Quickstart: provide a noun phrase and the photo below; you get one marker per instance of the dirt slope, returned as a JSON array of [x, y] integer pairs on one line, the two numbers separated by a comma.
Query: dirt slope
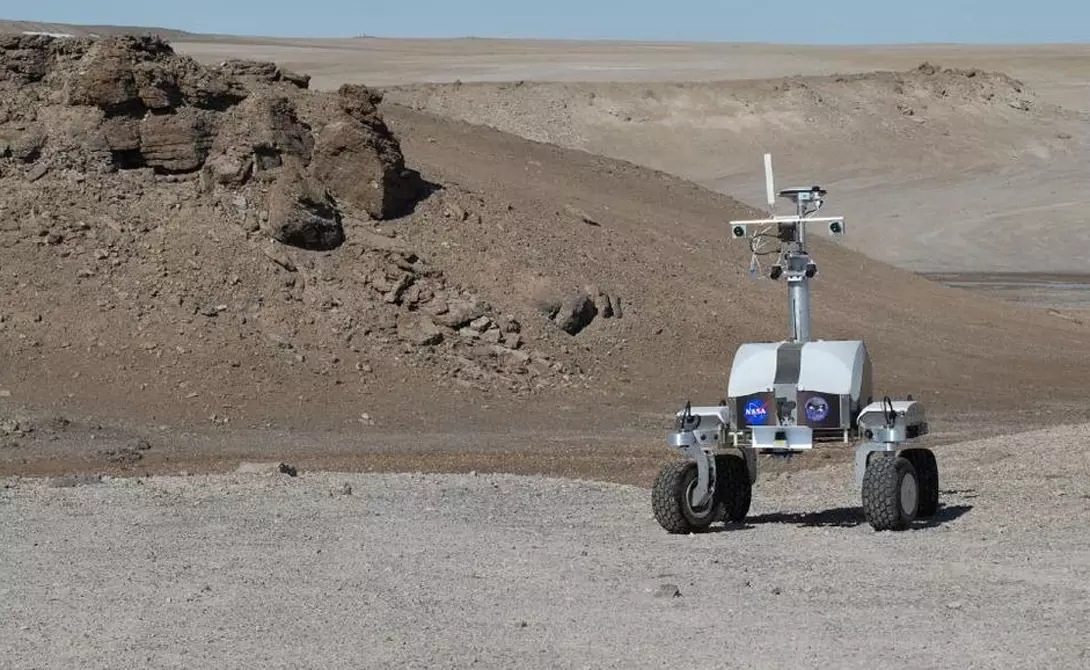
[[139, 285], [181, 238], [668, 246], [938, 169]]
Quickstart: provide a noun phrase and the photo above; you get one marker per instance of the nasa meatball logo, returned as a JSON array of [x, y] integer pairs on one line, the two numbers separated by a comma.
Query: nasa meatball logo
[[756, 411], [817, 409]]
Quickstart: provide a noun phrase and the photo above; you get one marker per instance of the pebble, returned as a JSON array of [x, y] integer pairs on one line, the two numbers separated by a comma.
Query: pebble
[[344, 490], [667, 591]]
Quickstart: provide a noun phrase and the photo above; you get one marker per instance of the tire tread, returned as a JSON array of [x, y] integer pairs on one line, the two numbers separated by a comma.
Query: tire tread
[[927, 473], [734, 491], [667, 495], [881, 493]]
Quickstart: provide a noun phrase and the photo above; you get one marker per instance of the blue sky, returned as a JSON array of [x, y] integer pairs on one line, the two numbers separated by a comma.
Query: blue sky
[[794, 21]]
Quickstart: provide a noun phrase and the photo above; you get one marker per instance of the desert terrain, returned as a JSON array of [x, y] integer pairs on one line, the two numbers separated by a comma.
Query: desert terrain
[[491, 570], [502, 266]]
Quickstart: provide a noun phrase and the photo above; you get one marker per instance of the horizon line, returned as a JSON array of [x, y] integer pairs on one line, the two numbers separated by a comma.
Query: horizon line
[[136, 29]]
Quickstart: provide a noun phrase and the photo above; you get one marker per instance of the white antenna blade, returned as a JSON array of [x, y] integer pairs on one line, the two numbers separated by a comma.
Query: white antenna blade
[[770, 186]]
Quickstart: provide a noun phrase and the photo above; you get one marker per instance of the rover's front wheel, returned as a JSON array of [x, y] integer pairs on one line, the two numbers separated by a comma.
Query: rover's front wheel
[[672, 504], [891, 492]]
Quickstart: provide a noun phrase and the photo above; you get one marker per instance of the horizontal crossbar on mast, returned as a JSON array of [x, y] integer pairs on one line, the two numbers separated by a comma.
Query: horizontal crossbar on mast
[[789, 219]]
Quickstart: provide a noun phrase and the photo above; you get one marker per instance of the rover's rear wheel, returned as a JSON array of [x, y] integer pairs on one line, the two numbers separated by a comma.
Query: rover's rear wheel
[[670, 499], [927, 472], [891, 492], [733, 489]]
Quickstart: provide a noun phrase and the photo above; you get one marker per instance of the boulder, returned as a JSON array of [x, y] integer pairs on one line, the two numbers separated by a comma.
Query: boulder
[[302, 214], [176, 142], [24, 59], [262, 131], [361, 160], [207, 88], [264, 72], [601, 301], [230, 169], [121, 134], [244, 68], [296, 79], [481, 324], [576, 312], [157, 87], [460, 313], [363, 168], [360, 103], [512, 340], [418, 330], [608, 305], [279, 128], [127, 75], [928, 69], [105, 79]]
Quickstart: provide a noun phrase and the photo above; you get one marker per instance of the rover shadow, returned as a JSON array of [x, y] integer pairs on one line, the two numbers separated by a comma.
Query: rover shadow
[[850, 517], [946, 514], [730, 527], [963, 493], [839, 517]]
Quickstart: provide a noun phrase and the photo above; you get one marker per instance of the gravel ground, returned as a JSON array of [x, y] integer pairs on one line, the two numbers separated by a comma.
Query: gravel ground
[[266, 570]]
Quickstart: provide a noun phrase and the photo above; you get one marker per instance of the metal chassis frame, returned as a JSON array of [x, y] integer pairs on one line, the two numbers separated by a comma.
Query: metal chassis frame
[[687, 442]]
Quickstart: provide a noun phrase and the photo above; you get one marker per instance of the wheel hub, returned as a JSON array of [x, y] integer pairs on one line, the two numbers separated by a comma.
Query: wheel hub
[[697, 510], [910, 493]]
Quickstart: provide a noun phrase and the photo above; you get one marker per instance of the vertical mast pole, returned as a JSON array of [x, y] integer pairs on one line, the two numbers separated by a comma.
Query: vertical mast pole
[[798, 284]]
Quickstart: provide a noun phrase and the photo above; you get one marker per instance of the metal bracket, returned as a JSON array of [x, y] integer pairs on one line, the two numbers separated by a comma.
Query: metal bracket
[[686, 442], [750, 456]]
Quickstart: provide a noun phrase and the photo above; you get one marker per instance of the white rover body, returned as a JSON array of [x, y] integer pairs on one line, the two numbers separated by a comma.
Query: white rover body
[[783, 397]]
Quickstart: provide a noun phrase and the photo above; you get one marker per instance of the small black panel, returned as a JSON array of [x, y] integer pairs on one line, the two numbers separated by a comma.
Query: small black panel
[[788, 363], [818, 410], [757, 409]]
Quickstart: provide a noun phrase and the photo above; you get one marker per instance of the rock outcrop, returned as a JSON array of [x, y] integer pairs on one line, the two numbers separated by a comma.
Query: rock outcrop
[[123, 103], [231, 209], [301, 213]]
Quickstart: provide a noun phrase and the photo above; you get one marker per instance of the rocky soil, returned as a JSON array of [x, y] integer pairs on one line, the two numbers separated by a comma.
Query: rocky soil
[[268, 569]]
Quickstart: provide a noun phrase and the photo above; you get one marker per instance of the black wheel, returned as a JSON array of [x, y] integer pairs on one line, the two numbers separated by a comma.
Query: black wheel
[[891, 492], [927, 472], [672, 504], [733, 490]]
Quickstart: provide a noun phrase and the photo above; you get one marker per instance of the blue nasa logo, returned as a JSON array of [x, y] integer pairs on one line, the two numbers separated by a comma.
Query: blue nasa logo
[[816, 409], [756, 411]]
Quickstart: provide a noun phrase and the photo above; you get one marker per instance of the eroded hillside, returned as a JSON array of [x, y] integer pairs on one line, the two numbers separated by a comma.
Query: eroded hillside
[[938, 168], [221, 245]]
